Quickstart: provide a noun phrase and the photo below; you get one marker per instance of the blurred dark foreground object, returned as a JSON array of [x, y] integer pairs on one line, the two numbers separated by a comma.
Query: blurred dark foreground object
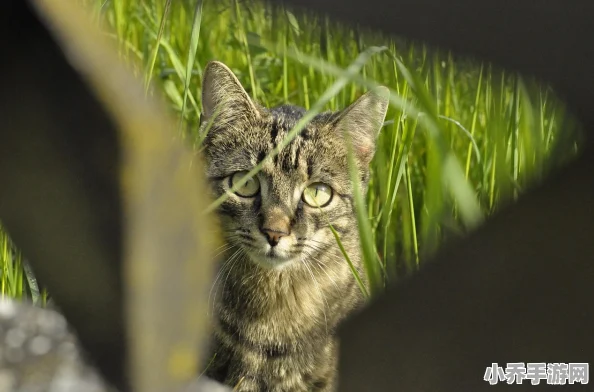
[[103, 197], [99, 195], [519, 289]]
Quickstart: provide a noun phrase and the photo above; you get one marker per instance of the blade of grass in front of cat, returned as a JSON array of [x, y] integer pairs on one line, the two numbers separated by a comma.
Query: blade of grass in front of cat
[[349, 261], [208, 365], [369, 254], [345, 254], [204, 133]]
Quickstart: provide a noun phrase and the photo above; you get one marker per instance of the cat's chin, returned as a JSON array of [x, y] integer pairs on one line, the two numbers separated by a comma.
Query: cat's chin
[[272, 262]]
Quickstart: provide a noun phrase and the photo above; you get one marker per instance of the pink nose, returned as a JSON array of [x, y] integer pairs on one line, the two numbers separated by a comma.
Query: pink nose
[[274, 236]]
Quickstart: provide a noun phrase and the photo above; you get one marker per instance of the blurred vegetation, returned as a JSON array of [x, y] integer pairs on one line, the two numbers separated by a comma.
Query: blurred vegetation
[[462, 138]]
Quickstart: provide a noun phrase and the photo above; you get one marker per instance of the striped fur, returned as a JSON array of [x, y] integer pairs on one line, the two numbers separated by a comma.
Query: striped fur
[[275, 317]]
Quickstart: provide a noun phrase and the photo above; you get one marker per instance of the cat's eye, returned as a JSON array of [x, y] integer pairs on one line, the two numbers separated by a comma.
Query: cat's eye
[[249, 189], [317, 195]]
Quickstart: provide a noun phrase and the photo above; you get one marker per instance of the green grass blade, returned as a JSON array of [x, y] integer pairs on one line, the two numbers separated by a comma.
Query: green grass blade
[[194, 40], [153, 58], [370, 260], [350, 262]]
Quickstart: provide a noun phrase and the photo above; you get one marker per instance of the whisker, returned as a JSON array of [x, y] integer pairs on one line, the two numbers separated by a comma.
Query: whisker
[[233, 260], [330, 257], [320, 267], [225, 247], [305, 262], [219, 274]]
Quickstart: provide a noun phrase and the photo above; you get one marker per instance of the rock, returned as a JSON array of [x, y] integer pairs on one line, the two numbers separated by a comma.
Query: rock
[[38, 352]]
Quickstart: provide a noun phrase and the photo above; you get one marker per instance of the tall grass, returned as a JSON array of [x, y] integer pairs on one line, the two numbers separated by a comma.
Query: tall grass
[[460, 140]]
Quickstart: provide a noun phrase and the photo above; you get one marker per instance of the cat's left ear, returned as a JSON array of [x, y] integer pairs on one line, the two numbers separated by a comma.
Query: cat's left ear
[[363, 120], [224, 96]]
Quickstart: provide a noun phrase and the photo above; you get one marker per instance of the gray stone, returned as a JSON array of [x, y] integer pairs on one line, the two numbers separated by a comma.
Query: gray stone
[[39, 353]]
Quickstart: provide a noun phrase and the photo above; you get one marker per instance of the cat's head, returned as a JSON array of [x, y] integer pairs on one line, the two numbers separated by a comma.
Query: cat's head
[[281, 216]]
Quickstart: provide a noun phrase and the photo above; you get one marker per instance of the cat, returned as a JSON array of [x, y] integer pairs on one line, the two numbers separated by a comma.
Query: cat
[[284, 283]]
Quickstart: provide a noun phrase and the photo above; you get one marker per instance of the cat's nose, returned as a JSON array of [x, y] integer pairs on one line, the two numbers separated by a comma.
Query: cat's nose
[[274, 236]]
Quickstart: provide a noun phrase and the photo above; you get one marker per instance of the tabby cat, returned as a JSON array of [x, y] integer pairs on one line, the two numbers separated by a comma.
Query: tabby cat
[[284, 285]]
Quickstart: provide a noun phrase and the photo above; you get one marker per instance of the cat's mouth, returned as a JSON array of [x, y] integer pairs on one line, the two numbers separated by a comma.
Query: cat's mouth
[[273, 253], [271, 258]]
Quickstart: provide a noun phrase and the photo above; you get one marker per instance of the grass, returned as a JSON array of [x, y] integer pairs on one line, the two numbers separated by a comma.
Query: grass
[[461, 138]]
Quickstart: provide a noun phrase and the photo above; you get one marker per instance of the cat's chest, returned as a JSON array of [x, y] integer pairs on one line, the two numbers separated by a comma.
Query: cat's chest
[[272, 314], [278, 338]]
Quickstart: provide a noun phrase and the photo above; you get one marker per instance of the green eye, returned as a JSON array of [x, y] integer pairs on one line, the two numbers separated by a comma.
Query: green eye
[[249, 189], [317, 195]]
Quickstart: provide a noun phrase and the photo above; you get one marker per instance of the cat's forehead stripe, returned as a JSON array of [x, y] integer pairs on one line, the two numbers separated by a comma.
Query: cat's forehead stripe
[[283, 120], [274, 127]]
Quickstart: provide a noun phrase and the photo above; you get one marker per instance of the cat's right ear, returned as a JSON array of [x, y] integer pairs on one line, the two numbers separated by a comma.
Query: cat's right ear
[[223, 96]]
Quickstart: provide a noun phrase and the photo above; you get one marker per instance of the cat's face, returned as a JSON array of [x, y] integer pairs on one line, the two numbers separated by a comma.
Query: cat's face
[[281, 216]]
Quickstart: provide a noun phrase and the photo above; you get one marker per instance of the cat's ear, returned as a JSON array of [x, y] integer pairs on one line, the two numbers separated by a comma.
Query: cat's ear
[[362, 121], [223, 96]]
